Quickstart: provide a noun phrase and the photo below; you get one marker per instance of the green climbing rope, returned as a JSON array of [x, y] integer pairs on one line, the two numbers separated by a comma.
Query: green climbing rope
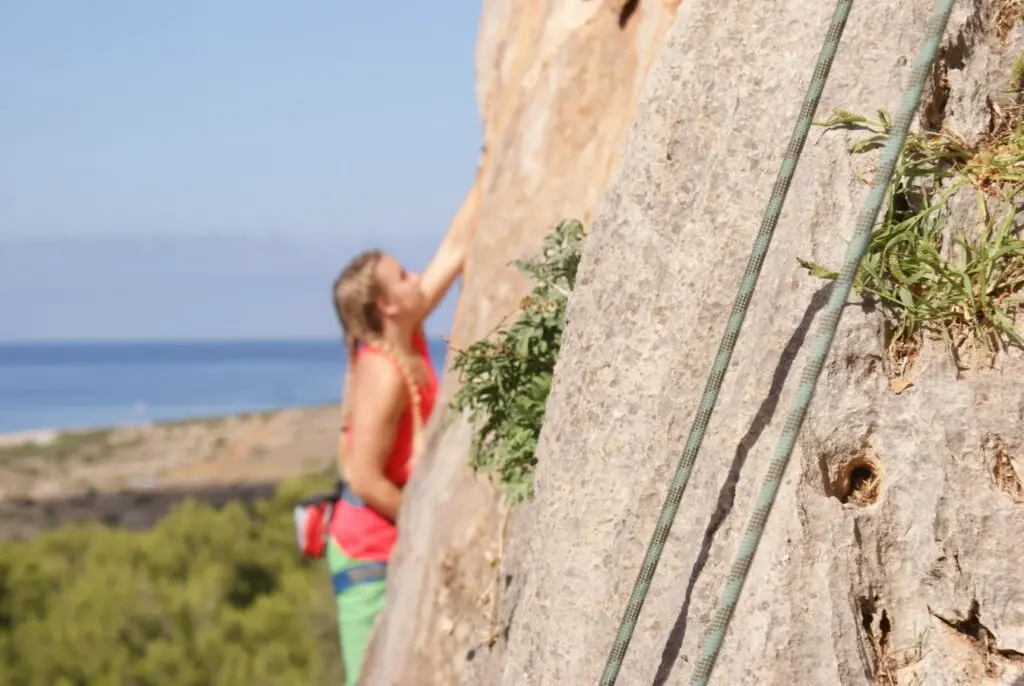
[[725, 349], [823, 344]]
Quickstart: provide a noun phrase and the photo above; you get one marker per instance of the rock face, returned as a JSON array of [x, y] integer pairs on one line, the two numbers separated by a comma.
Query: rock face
[[921, 582], [557, 87]]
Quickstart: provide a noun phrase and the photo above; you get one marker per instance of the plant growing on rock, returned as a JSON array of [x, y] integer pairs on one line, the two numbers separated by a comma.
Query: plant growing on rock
[[931, 274], [506, 378]]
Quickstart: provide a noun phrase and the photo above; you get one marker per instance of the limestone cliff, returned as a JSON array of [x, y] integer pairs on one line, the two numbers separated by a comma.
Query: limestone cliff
[[557, 85], [922, 583]]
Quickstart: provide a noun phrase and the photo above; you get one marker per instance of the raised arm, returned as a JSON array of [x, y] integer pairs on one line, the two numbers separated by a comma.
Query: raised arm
[[381, 396], [447, 262]]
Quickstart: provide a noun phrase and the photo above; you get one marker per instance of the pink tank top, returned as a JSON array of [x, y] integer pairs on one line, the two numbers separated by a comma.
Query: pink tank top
[[360, 532]]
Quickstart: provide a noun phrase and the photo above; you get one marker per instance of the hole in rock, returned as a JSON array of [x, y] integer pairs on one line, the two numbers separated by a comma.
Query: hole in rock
[[1004, 471], [859, 480], [627, 11]]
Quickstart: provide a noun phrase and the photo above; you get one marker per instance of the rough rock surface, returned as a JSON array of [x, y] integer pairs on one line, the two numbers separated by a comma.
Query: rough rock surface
[[557, 86], [921, 584]]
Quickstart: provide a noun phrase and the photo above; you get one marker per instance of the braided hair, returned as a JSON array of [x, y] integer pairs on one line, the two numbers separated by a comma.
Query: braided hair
[[356, 291]]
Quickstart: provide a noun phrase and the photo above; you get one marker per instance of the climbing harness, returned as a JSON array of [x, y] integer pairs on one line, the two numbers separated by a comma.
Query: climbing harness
[[312, 517], [360, 574], [822, 346], [363, 573]]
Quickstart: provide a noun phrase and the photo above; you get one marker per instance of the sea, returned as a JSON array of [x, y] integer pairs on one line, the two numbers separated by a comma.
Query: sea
[[85, 385]]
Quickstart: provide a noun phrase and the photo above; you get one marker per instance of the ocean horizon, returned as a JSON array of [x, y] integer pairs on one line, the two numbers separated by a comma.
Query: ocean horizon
[[64, 385]]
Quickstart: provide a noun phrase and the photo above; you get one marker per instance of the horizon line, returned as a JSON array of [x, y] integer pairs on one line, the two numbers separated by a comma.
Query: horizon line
[[185, 340]]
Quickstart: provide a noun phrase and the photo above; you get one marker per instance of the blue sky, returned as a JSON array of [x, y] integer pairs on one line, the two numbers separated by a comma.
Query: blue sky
[[203, 169]]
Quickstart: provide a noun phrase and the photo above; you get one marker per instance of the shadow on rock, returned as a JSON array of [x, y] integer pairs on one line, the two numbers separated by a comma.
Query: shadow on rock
[[727, 495]]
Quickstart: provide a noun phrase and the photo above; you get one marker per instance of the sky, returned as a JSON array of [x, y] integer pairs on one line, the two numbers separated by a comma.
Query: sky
[[204, 169]]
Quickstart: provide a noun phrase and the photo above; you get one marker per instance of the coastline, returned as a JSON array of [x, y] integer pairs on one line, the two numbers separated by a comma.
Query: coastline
[[51, 476], [37, 436], [47, 435]]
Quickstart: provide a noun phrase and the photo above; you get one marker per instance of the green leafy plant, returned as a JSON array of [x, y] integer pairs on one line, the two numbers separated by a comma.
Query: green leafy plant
[[957, 282], [506, 378]]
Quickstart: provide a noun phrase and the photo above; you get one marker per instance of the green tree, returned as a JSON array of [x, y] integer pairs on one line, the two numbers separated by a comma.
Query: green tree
[[208, 596]]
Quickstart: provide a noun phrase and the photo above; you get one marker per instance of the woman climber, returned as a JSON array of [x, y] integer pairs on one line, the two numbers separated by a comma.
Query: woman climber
[[390, 389]]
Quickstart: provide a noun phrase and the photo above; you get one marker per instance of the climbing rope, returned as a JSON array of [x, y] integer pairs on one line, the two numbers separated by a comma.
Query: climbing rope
[[725, 349], [823, 344]]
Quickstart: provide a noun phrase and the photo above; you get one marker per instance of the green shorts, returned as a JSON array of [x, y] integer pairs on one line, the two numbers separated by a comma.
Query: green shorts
[[358, 608]]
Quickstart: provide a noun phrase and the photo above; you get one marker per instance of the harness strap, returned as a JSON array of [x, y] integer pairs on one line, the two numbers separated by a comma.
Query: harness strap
[[361, 574], [349, 497]]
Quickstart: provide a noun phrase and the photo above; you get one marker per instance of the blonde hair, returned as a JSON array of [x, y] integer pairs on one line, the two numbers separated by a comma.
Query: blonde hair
[[356, 291]]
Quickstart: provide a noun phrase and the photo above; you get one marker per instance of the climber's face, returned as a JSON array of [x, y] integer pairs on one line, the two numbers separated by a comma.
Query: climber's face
[[402, 300]]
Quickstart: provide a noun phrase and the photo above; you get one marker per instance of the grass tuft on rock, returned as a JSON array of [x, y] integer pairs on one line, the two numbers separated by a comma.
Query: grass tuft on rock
[[938, 265]]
